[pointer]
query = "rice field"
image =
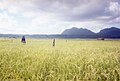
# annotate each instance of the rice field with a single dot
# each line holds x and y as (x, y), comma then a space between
(69, 60)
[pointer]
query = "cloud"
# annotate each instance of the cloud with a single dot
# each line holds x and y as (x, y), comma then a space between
(75, 10)
(114, 9)
(55, 13)
(7, 23)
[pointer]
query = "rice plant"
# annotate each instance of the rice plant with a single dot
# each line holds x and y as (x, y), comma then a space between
(74, 60)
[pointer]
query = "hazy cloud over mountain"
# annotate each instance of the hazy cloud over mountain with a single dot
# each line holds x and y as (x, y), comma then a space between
(77, 12)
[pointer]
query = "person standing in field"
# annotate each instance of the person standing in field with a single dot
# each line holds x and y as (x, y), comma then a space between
(53, 42)
(23, 40)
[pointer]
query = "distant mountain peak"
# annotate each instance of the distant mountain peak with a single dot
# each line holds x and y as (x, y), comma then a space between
(74, 28)
(113, 28)
(110, 28)
(77, 31)
(110, 31)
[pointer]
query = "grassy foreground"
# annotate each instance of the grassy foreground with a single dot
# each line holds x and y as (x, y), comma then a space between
(71, 60)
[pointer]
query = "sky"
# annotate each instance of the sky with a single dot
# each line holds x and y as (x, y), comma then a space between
(54, 16)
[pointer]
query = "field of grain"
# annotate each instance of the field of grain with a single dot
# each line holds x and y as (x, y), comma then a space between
(69, 60)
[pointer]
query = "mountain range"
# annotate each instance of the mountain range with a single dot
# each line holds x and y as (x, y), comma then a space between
(74, 32)
(112, 32)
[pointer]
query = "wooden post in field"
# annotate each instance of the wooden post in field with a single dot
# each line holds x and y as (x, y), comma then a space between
(53, 42)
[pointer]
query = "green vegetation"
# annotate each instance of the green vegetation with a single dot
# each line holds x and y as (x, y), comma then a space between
(71, 60)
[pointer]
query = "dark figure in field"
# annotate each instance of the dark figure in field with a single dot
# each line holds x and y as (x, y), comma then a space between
(23, 39)
(53, 42)
(100, 39)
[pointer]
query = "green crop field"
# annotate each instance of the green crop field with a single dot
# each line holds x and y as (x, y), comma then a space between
(69, 60)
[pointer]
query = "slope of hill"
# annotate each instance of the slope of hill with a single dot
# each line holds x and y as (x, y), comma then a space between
(77, 31)
(110, 32)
